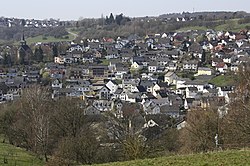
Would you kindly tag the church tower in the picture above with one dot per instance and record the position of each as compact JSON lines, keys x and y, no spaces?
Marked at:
{"x":23,"y":41}
{"x":24,"y":52}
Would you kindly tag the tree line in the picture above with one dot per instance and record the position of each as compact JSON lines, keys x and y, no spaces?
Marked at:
{"x":220,"y":127}
{"x":60,"y":132}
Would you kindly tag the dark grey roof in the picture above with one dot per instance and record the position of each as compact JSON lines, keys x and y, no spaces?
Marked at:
{"x":118,"y":91}
{"x":193,"y":89}
{"x":170,"y":109}
{"x":147,"y":83}
{"x":141,"y":89}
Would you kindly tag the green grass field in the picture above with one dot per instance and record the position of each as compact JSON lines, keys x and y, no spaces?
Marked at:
{"x":11,"y":155}
{"x":192,"y":28}
{"x":225,"y":158}
{"x":223,"y":80}
{"x":229,"y":25}
{"x":48,"y":39}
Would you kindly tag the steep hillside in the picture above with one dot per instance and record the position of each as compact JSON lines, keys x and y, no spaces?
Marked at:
{"x":11,"y":155}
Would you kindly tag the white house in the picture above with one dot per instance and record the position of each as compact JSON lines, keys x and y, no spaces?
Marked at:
{"x":152,"y":67}
{"x":112,"y":86}
{"x":223,"y":91}
{"x":190,"y":65}
{"x":136,"y":66}
{"x":170,"y":78}
{"x":191,"y":92}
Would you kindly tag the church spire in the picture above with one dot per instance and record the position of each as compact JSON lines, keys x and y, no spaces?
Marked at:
{"x":23,"y":42}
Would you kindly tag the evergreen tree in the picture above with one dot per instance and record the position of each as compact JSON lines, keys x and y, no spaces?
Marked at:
{"x":119,"y":18}
{"x":85,"y":43}
{"x":22,"y":57}
{"x":38,"y":55}
{"x":55,"y":50}
{"x":111,"y":18}
{"x":77,"y":24}
{"x":5,"y":60}
{"x":23,"y":22}
{"x":203,"y":57}
{"x":107,"y":20}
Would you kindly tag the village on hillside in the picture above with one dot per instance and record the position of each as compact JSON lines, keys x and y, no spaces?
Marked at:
{"x":166,"y":74}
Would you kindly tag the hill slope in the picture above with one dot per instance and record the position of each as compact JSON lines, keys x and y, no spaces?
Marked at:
{"x":11,"y":155}
{"x":220,"y":158}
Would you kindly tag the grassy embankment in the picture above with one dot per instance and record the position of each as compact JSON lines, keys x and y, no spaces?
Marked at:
{"x":11,"y":155}
{"x":223,"y":80}
{"x":229,"y":25}
{"x":240,"y":157}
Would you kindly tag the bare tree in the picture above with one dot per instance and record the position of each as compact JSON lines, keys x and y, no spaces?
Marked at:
{"x":236,"y":124}
{"x":127,"y":131}
{"x":75,"y":133}
{"x":35,"y":107}
{"x":202,"y":127}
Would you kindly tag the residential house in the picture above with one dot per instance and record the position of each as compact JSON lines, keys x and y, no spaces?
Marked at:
{"x":117,"y":93}
{"x":191,"y":65}
{"x":87,"y":58}
{"x":32,"y":76}
{"x":76,"y":55}
{"x":191,"y":92}
{"x":196,"y":50}
{"x":148,"y":85}
{"x":56,"y":84}
{"x":103,"y":105}
{"x":80,"y":72}
{"x":120,"y":72}
{"x":136,"y":66}
{"x":188,"y":103}
{"x":113,"y":86}
{"x":170,"y":78}
{"x":162,"y":61}
{"x":216,"y":61}
{"x":112,"y":54}
{"x":129,"y":84}
{"x":172,"y":53}
{"x":227,"y":58}
{"x":98,"y":72}
{"x":68,"y":60}
{"x":125,"y":58}
{"x":171,"y":110}
{"x":59,"y":60}
{"x":132,"y":97}
{"x":103,"y":93}
{"x":152,"y":67}
{"x":156,"y":88}
{"x":222,"y":91}
{"x":234,"y":67}
{"x":221,"y":67}
{"x":138,"y":89}
{"x":151,"y":108}
{"x":171,"y":66}
{"x":75,"y":47}
{"x":91,"y":110}
{"x":204,"y":71}
{"x":56,"y":73}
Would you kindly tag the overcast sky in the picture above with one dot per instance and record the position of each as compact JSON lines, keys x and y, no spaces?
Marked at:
{"x":74,"y":9}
